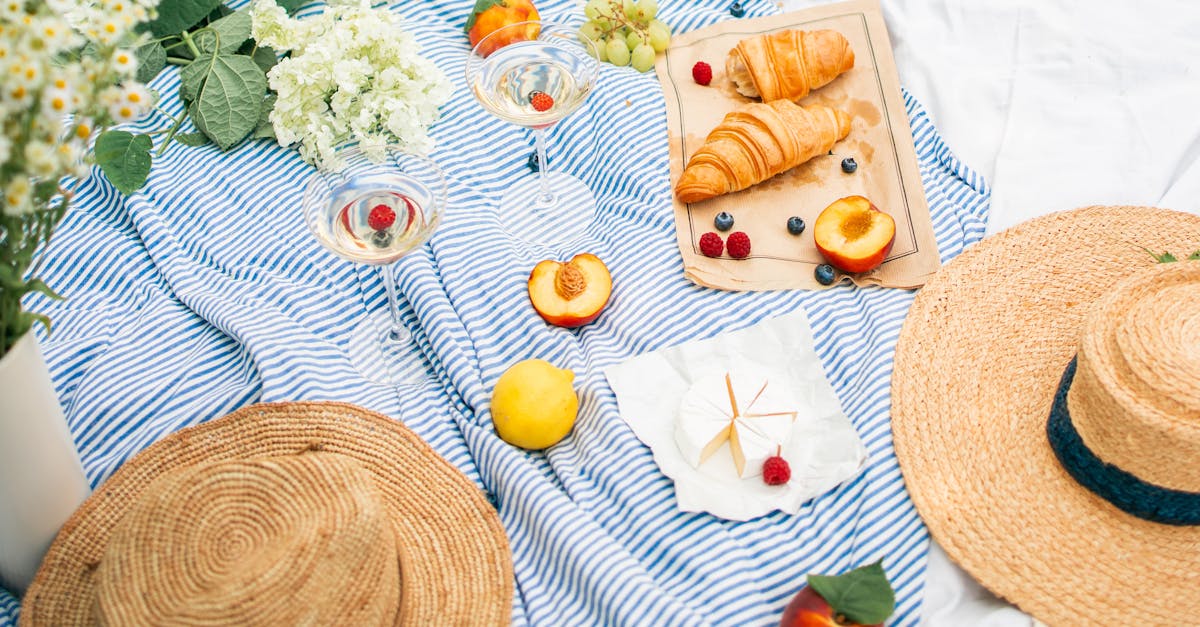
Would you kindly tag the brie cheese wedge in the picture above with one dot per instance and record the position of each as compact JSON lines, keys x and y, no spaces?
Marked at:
{"x":751,"y":411}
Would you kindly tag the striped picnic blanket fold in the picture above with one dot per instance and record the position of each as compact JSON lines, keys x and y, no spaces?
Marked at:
{"x":204,"y":292}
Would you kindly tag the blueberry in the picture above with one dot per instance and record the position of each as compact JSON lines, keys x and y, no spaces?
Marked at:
{"x":795,"y":225}
{"x":825,"y":274}
{"x":736,"y":9}
{"x":723,"y":221}
{"x":381,"y":239}
{"x":849,"y":165}
{"x":533,"y":164}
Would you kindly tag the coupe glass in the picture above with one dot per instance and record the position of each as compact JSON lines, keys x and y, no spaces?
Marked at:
{"x":504,"y":70}
{"x":381,"y":204}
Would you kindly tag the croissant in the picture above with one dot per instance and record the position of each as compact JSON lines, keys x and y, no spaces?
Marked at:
{"x":788,"y":64}
{"x":756,"y":142}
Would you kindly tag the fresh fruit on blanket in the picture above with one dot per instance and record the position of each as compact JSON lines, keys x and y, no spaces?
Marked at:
{"x":711,"y":245}
{"x":862,"y":597}
{"x":723,"y":221}
{"x":492,"y":15}
{"x":381,"y":217}
{"x":625,"y":31}
{"x":775,"y":470}
{"x":534,"y":404}
{"x":570,"y":294}
{"x":795,"y":225}
{"x":618,"y":52}
{"x":825,"y":274}
{"x":736,"y":9}
{"x":533,"y":163}
{"x":541,"y":100}
{"x":854,"y":235}
{"x":849,"y":165}
{"x":738,"y":245}
{"x":642,"y":57}
{"x":702,"y":73}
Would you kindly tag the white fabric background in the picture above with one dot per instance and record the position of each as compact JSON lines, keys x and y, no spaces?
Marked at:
{"x":1058,"y":104}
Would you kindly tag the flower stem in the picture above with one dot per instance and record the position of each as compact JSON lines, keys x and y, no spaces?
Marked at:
{"x":171,"y":133}
{"x":187,"y":39}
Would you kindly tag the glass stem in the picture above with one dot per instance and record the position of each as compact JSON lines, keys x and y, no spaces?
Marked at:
{"x":539,"y":139}
{"x":397,"y":333}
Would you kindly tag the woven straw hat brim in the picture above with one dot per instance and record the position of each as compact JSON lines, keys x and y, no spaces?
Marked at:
{"x":456,"y":568}
{"x":977,"y":364}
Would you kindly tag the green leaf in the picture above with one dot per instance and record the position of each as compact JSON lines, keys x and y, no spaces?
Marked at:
{"x":191,"y":77}
{"x":192,"y":139}
{"x":1194,"y":256}
{"x":232,"y":30}
{"x":480,"y":7}
{"x":152,"y":58}
{"x":862,"y":595}
{"x":265,"y":130}
{"x":176,"y":16}
{"x":1165,"y":257}
{"x":265,"y":57}
{"x":124,"y":158}
{"x":42,"y":318}
{"x":291,"y":6}
{"x":228,"y":99}
{"x":39,"y":286}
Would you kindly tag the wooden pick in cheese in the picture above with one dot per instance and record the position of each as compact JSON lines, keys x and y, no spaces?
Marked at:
{"x":743,"y":408}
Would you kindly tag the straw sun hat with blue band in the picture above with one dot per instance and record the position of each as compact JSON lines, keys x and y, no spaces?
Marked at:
{"x":1046,"y":415}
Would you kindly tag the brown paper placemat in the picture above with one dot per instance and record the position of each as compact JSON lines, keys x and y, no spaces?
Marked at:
{"x":880,"y":141}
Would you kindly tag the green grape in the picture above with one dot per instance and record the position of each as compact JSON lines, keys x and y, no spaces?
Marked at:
{"x":593,"y":8}
{"x":601,"y":50}
{"x":648,"y":9}
{"x":660,"y":35}
{"x":642,"y":57}
{"x":618,"y":52}
{"x":632,"y":10}
{"x":591,"y":31}
{"x":634,"y":39}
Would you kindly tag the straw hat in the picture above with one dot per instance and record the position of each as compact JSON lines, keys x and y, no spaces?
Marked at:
{"x":287,"y":513}
{"x":1054,"y":356}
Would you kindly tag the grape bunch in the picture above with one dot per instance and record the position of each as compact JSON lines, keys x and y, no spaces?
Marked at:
{"x":625,"y":32}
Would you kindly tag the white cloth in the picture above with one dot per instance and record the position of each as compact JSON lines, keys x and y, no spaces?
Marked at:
{"x":824,"y":449}
{"x":1058,"y":104}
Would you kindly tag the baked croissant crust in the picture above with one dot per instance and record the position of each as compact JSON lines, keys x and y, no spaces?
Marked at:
{"x":758,"y":141}
{"x":788,"y":64}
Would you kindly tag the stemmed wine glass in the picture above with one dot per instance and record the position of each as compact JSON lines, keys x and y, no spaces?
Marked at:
{"x":379,"y":205}
{"x":534,"y":74}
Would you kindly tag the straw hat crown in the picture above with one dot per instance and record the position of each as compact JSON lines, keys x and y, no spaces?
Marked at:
{"x":1135,"y":397}
{"x":254,"y":542}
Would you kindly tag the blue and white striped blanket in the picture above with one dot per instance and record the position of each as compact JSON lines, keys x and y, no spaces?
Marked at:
{"x":204,"y":292}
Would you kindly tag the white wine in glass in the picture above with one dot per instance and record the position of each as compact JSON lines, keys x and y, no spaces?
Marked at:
{"x":545,"y":74}
{"x":374,"y":210}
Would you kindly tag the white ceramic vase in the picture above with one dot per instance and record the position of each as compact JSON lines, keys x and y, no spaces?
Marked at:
{"x":41,"y":479}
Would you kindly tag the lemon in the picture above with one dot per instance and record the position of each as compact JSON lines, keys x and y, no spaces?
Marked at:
{"x":534,"y":404}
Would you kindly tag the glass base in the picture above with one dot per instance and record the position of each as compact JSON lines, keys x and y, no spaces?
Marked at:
{"x":552,"y":221}
{"x":382,"y":358}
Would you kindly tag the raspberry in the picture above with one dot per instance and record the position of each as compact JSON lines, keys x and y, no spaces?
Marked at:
{"x":541,"y":101}
{"x":702,"y":73}
{"x":776,"y":471}
{"x":739,"y":245}
{"x":381,"y":217}
{"x":711,"y":245}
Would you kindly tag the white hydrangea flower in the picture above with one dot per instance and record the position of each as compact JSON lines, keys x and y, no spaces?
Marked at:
{"x":353,"y":75}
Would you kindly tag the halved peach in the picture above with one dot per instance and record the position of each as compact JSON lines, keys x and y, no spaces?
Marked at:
{"x":570,"y":294}
{"x":854,"y":235}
